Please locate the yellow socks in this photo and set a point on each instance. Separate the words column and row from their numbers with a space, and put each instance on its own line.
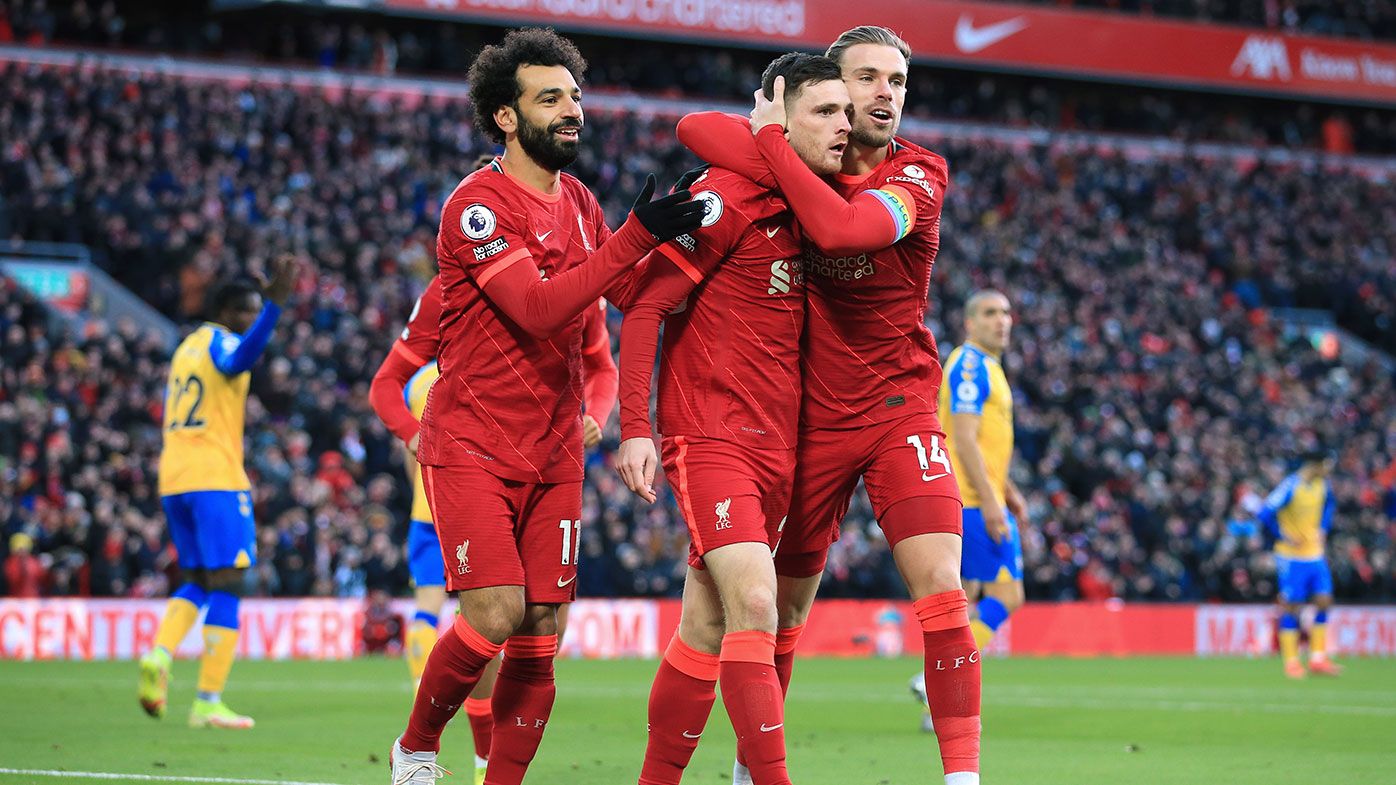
column 180, row 614
column 421, row 637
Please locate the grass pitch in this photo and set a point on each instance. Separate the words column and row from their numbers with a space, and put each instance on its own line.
column 1046, row 721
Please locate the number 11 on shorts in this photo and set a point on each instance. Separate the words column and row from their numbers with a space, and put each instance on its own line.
column 571, row 540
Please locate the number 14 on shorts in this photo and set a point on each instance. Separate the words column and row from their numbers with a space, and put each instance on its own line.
column 925, row 457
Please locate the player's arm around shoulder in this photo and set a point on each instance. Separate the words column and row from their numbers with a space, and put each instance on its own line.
column 921, row 181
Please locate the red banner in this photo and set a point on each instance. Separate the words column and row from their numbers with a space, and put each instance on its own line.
column 996, row 35
column 327, row 628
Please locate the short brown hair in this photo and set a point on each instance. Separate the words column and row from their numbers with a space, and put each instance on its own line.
column 494, row 76
column 867, row 34
column 799, row 69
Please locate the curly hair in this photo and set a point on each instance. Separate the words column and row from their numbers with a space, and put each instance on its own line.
column 493, row 77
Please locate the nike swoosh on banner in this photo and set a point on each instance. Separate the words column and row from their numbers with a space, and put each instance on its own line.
column 932, row 477
column 561, row 583
column 970, row 39
column 765, row 729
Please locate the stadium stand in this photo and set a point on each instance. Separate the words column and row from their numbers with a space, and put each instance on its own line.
column 1160, row 393
column 377, row 44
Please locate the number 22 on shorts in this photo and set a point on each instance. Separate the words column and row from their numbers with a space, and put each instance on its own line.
column 935, row 455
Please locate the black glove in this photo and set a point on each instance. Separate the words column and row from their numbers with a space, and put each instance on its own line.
column 670, row 216
column 691, row 176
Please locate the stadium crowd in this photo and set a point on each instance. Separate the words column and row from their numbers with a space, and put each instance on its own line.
column 1157, row 398
column 373, row 43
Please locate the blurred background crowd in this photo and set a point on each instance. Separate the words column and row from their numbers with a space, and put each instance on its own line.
column 1158, row 395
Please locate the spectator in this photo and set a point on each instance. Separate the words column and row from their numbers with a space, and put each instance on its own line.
column 1156, row 390
column 25, row 574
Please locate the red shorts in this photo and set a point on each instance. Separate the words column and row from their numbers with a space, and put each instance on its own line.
column 498, row 532
column 898, row 460
column 727, row 492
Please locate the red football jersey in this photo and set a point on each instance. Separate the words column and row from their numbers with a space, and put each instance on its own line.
column 869, row 356
column 506, row 399
column 421, row 338
column 734, row 296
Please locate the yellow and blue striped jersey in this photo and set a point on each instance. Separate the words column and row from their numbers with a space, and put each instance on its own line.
column 415, row 394
column 1299, row 513
column 974, row 384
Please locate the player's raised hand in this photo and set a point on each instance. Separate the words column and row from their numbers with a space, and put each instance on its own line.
column 591, row 431
column 769, row 111
column 283, row 277
column 669, row 216
column 636, row 461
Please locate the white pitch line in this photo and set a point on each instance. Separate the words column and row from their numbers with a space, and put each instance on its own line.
column 108, row 775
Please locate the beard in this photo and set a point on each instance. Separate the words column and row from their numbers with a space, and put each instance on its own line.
column 544, row 146
column 868, row 136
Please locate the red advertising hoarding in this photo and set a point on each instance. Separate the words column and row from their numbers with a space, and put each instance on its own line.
column 1115, row 47
column 327, row 628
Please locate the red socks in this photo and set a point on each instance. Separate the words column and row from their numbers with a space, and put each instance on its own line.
column 680, row 702
column 452, row 669
column 952, row 677
column 481, row 724
column 522, row 701
column 786, row 640
column 751, row 692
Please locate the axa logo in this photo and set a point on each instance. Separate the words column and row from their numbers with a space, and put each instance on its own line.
column 463, row 558
column 723, row 509
column 1263, row 57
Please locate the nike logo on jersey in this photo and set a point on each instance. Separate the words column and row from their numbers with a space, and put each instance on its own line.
column 970, row 39
column 562, row 584
column 926, row 477
column 766, row 729
column 688, row 735
column 543, row 236
column 772, row 232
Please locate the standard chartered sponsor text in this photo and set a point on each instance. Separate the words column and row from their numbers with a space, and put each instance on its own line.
column 843, row 268
column 768, row 17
